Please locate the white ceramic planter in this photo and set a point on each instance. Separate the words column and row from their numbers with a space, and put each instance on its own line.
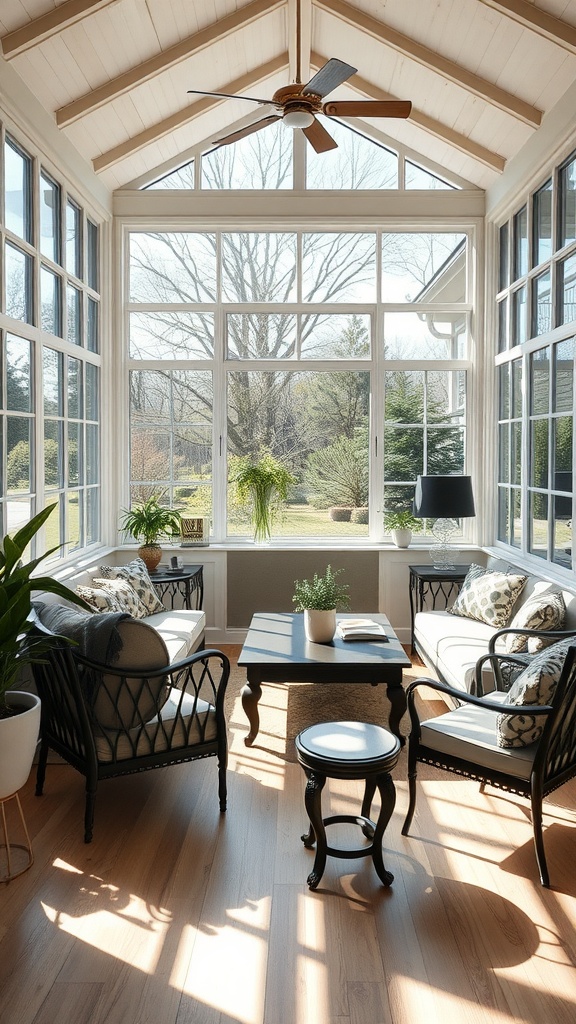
column 319, row 626
column 18, row 739
column 402, row 538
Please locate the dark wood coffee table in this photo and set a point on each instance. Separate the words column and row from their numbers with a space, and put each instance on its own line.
column 276, row 651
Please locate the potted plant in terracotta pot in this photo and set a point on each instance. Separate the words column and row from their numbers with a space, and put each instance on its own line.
column 401, row 524
column 319, row 598
column 19, row 710
column 148, row 522
column 263, row 485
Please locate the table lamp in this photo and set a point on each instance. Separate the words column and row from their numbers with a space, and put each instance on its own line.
column 445, row 499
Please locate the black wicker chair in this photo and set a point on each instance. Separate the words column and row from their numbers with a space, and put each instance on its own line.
column 108, row 721
column 457, row 743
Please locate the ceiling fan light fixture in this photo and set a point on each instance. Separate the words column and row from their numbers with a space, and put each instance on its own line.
column 298, row 117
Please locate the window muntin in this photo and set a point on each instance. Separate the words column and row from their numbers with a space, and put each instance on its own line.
column 17, row 191
column 567, row 220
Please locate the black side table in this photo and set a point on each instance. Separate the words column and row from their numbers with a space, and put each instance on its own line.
column 187, row 582
column 428, row 584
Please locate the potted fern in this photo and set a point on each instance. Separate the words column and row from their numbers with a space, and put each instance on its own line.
column 263, row 485
column 319, row 598
column 147, row 522
column 401, row 525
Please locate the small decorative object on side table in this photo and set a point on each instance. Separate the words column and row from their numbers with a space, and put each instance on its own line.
column 430, row 584
column 186, row 581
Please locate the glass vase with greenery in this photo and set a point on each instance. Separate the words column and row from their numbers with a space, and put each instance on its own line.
column 263, row 484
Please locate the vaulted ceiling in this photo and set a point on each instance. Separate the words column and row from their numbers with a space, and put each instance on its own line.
column 114, row 74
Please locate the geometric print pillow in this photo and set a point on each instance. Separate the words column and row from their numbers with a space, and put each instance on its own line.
column 136, row 574
column 489, row 597
column 536, row 684
column 540, row 611
column 124, row 594
column 98, row 599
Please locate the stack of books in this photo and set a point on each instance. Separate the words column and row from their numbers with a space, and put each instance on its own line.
column 361, row 629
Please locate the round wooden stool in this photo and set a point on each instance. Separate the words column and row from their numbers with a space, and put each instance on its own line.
column 348, row 750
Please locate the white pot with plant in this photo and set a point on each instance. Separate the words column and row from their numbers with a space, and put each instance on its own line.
column 319, row 598
column 401, row 525
column 19, row 710
column 148, row 522
column 263, row 485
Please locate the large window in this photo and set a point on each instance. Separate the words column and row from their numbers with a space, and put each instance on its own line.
column 537, row 348
column 50, row 367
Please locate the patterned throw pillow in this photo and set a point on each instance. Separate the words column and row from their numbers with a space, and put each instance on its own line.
column 99, row 600
column 125, row 595
column 540, row 611
column 535, row 685
column 488, row 596
column 136, row 573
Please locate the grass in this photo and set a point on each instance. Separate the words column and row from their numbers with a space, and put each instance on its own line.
column 305, row 521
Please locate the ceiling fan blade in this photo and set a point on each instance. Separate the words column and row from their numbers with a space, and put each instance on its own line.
column 319, row 138
column 242, row 132
column 228, row 96
column 368, row 108
column 332, row 74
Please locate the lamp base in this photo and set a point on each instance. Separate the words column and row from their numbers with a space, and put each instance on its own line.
column 442, row 554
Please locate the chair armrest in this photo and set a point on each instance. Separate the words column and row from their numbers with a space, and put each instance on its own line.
column 495, row 659
column 556, row 633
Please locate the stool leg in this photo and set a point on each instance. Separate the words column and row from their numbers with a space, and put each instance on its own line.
column 369, row 791
column 387, row 792
column 313, row 804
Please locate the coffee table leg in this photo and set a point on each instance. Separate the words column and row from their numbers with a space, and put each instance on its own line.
column 251, row 694
column 397, row 697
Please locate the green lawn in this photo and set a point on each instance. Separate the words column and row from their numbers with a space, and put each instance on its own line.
column 305, row 521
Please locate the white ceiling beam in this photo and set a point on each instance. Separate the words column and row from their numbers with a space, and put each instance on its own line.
column 429, row 124
column 449, row 70
column 537, row 20
column 49, row 24
column 187, row 114
column 163, row 61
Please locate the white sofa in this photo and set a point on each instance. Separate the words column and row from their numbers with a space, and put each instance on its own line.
column 451, row 645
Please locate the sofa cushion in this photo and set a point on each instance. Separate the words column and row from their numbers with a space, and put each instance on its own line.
column 181, row 630
column 452, row 644
column 136, row 573
column 536, row 684
column 545, row 610
column 488, row 597
column 124, row 594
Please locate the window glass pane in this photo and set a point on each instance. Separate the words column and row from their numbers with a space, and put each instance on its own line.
column 358, row 163
column 92, row 453
column 335, row 336
column 52, row 382
column 411, row 263
column 519, row 316
column 504, row 452
column 182, row 177
column 504, row 524
column 49, row 218
column 541, row 305
column 412, row 336
column 562, row 538
column 516, row 388
column 53, row 447
column 539, row 453
column 261, row 335
column 540, row 381
column 92, row 391
column 327, row 260
column 17, row 195
column 504, row 380
column 171, row 334
column 74, row 308
column 404, row 396
column 73, row 520
column 177, row 266
column 73, row 239
column 75, row 396
column 417, row 177
column 520, row 244
column 18, row 374
column 92, row 327
column 19, row 454
column 568, row 294
column 563, row 381
column 262, row 160
column 74, row 453
column 92, row 504
column 18, row 284
column 50, row 298
column 259, row 267
column 563, row 436
column 538, row 524
column 567, row 181
column 542, row 214
column 504, row 261
column 503, row 324
column 516, row 452
column 403, row 453
column 92, row 255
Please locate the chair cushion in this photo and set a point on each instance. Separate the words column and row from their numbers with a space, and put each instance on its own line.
column 182, row 722
column 536, row 684
column 488, row 596
column 470, row 733
column 136, row 573
column 540, row 611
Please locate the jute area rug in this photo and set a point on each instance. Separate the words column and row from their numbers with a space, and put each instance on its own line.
column 287, row 708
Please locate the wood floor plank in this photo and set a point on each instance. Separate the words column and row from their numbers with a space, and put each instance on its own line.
column 70, row 1001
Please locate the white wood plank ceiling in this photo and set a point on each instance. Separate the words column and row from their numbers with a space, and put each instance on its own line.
column 114, row 74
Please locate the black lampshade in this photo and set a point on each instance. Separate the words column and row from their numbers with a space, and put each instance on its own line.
column 443, row 497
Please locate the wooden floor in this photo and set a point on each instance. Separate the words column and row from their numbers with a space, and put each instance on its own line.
column 178, row 915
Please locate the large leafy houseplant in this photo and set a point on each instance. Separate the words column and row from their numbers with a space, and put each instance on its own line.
column 263, row 484
column 17, row 648
column 148, row 521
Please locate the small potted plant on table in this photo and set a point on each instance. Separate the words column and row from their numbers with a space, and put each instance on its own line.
column 319, row 598
column 147, row 522
column 401, row 525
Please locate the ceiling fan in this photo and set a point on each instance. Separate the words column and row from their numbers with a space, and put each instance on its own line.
column 298, row 104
